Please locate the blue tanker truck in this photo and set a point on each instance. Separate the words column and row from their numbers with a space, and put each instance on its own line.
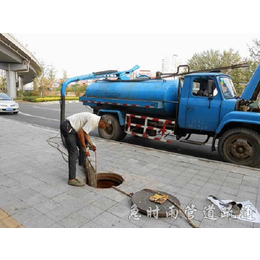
column 203, row 103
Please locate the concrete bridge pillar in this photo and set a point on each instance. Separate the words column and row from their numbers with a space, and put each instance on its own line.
column 11, row 83
column 11, row 69
column 21, row 85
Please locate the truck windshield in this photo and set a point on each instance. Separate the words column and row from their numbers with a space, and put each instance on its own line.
column 227, row 87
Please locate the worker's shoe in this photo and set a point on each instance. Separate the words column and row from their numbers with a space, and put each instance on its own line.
column 76, row 182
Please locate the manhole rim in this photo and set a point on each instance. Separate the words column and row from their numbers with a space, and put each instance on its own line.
column 115, row 180
column 110, row 176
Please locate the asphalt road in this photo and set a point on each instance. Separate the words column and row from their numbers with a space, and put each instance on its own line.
column 48, row 115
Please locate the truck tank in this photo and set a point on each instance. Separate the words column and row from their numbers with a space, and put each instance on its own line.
column 154, row 97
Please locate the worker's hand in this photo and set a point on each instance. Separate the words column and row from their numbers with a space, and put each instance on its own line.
column 87, row 153
column 94, row 148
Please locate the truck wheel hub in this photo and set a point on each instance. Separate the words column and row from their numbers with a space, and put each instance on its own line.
column 241, row 150
column 109, row 130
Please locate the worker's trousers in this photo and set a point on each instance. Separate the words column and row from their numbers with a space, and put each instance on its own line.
column 73, row 145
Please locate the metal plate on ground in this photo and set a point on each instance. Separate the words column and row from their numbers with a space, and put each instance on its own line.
column 144, row 205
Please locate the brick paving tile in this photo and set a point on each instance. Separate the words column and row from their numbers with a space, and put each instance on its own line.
column 8, row 222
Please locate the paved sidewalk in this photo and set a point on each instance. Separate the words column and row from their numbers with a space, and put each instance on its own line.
column 34, row 191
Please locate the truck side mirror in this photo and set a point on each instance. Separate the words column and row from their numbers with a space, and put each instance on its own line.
column 210, row 87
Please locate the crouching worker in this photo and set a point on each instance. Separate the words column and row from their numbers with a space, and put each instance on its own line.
column 76, row 129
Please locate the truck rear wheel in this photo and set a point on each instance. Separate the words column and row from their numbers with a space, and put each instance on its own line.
column 114, row 131
column 240, row 146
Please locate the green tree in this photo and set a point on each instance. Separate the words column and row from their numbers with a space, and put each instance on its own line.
column 44, row 81
column 77, row 88
column 51, row 74
column 254, row 60
column 64, row 75
column 255, row 52
column 205, row 60
column 2, row 81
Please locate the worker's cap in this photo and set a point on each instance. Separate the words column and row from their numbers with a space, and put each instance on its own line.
column 106, row 119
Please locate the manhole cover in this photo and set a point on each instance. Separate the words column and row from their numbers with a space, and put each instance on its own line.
column 144, row 205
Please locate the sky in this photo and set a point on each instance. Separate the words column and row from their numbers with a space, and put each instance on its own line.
column 84, row 53
column 82, row 36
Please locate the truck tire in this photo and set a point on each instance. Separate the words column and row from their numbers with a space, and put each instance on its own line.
column 240, row 146
column 114, row 131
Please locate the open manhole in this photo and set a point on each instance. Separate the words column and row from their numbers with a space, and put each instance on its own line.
column 108, row 180
column 104, row 180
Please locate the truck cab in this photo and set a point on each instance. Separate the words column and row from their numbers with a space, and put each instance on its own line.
column 205, row 99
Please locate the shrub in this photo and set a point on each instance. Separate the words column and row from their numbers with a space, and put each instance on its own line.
column 31, row 93
column 30, row 99
column 46, row 99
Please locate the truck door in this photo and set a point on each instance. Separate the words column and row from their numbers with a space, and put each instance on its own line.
column 202, row 112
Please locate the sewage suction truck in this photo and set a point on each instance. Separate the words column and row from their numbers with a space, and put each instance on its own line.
column 203, row 103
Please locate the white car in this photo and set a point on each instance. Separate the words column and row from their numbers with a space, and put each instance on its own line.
column 7, row 104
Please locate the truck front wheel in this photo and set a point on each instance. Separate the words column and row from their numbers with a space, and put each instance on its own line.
column 240, row 146
column 114, row 131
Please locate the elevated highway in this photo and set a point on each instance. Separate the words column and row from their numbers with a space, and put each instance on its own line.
column 20, row 65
